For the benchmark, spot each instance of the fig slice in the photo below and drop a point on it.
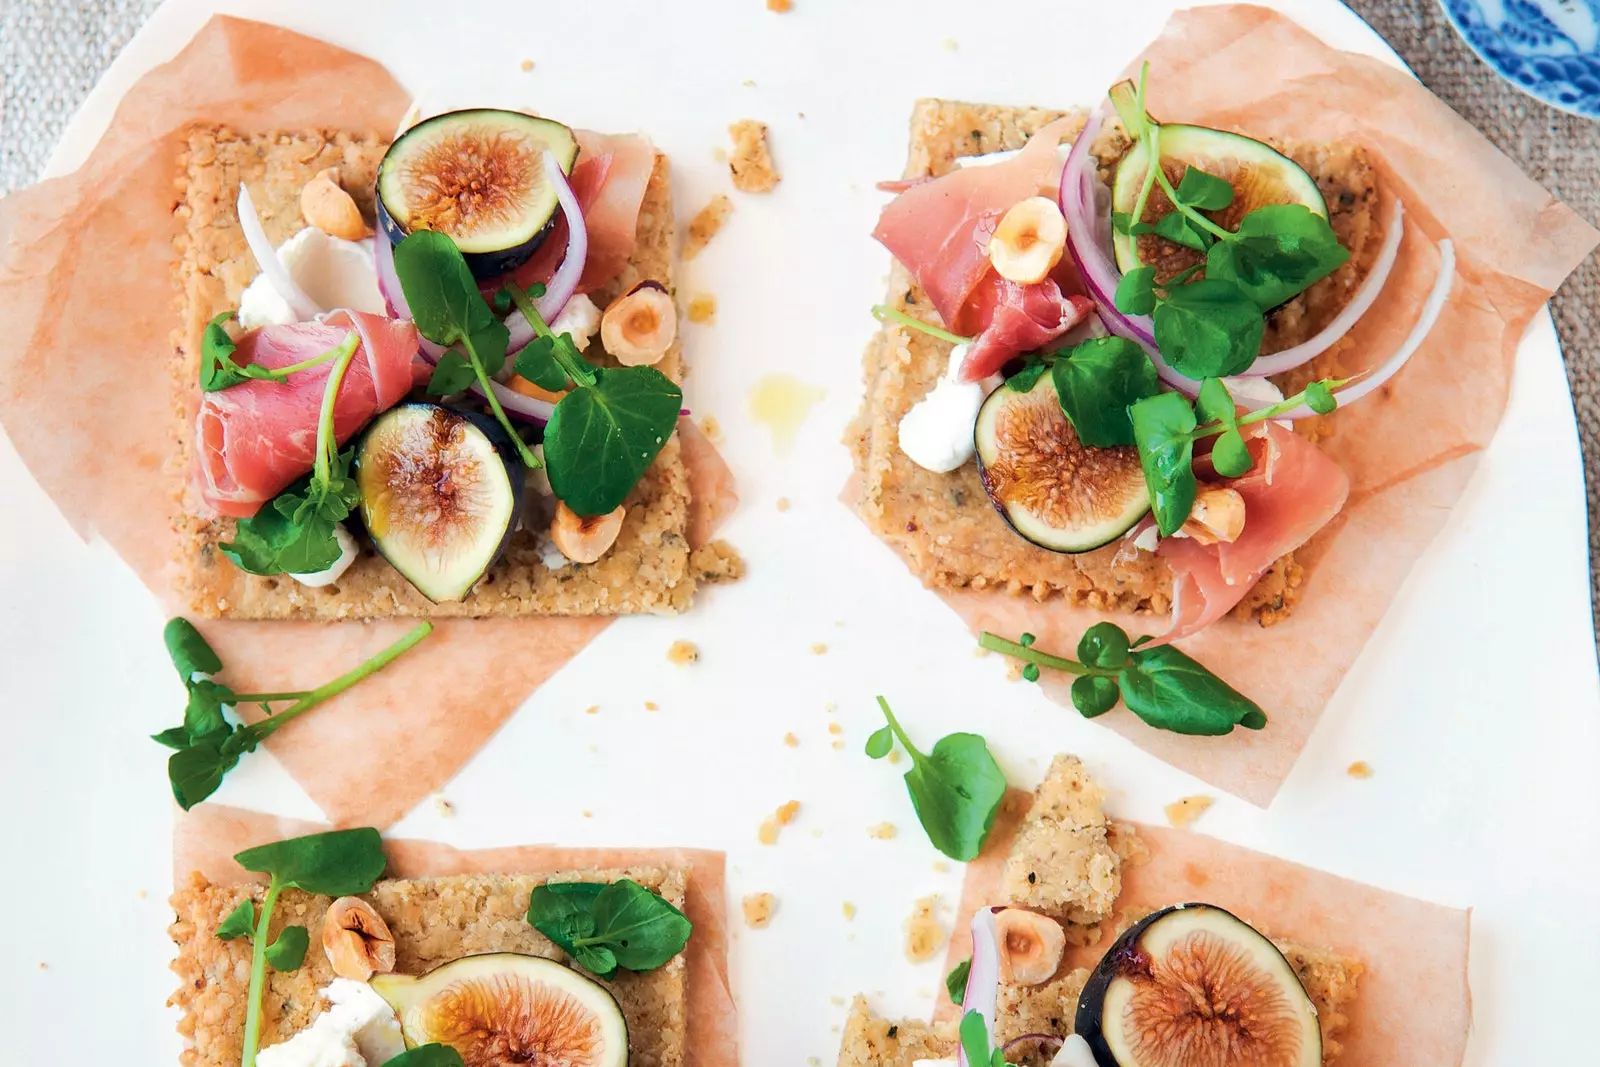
(1194, 986)
(506, 1008)
(1052, 488)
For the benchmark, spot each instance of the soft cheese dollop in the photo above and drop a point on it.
(937, 433)
(347, 555)
(333, 272)
(580, 318)
(1074, 1053)
(359, 1030)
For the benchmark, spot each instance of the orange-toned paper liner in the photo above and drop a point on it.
(207, 838)
(86, 280)
(1410, 447)
(1412, 1003)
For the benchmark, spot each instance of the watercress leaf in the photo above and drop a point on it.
(537, 363)
(217, 369)
(602, 438)
(202, 716)
(241, 922)
(1171, 691)
(974, 1038)
(453, 374)
(315, 547)
(1320, 398)
(1209, 328)
(1162, 425)
(1105, 645)
(536, 290)
(1177, 228)
(173, 737)
(196, 772)
(443, 295)
(596, 959)
(642, 930)
(1203, 191)
(1122, 222)
(339, 863)
(564, 911)
(1093, 695)
(1097, 381)
(489, 341)
(955, 983)
(243, 740)
(190, 653)
(1215, 403)
(1229, 455)
(1033, 369)
(430, 1055)
(1279, 251)
(1135, 293)
(956, 790)
(288, 952)
(880, 742)
(258, 540)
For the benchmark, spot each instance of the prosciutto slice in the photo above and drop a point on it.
(940, 231)
(1293, 491)
(254, 439)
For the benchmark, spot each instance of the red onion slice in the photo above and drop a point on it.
(524, 408)
(303, 306)
(983, 978)
(1376, 377)
(395, 297)
(1371, 285)
(565, 281)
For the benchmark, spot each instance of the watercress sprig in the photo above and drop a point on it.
(884, 313)
(207, 746)
(975, 1042)
(296, 532)
(335, 864)
(218, 371)
(1096, 381)
(955, 789)
(605, 433)
(605, 927)
(449, 310)
(1166, 427)
(1163, 686)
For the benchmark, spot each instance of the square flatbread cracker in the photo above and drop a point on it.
(648, 570)
(434, 921)
(943, 525)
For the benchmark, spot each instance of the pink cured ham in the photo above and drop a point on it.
(609, 180)
(254, 439)
(1293, 491)
(940, 231)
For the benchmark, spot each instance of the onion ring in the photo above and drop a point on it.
(255, 237)
(565, 281)
(983, 977)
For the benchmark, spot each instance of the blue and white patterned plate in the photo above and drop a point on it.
(1550, 49)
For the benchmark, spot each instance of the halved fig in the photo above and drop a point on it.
(440, 494)
(1259, 174)
(1054, 490)
(1194, 986)
(478, 176)
(505, 1008)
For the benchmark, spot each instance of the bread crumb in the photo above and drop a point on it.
(767, 833)
(837, 1002)
(818, 648)
(831, 706)
(780, 6)
(43, 966)
(838, 745)
(949, 44)
(587, 814)
(527, 65)
(651, 705)
(704, 226)
(849, 912)
(711, 428)
(719, 154)
(682, 653)
(813, 1061)
(1181, 813)
(980, 651)
(883, 831)
(751, 161)
(142, 894)
(791, 740)
(758, 909)
(940, 867)
(787, 812)
(1359, 769)
(894, 757)
(924, 934)
(442, 807)
(702, 308)
(592, 709)
(835, 728)
(783, 503)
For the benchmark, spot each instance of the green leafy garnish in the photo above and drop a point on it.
(1165, 428)
(430, 1055)
(955, 789)
(606, 432)
(1097, 381)
(449, 310)
(883, 313)
(1279, 251)
(241, 922)
(207, 745)
(335, 864)
(1208, 328)
(218, 371)
(955, 983)
(609, 926)
(975, 1043)
(1164, 687)
(296, 532)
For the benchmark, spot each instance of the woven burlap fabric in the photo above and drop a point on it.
(52, 52)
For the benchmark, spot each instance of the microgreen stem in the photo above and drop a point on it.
(494, 405)
(889, 314)
(283, 373)
(258, 974)
(1263, 414)
(1153, 150)
(894, 724)
(1190, 213)
(583, 375)
(267, 698)
(265, 728)
(996, 643)
(327, 444)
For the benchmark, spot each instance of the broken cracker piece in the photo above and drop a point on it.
(925, 935)
(1181, 813)
(1062, 864)
(758, 909)
(683, 653)
(751, 160)
(705, 224)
